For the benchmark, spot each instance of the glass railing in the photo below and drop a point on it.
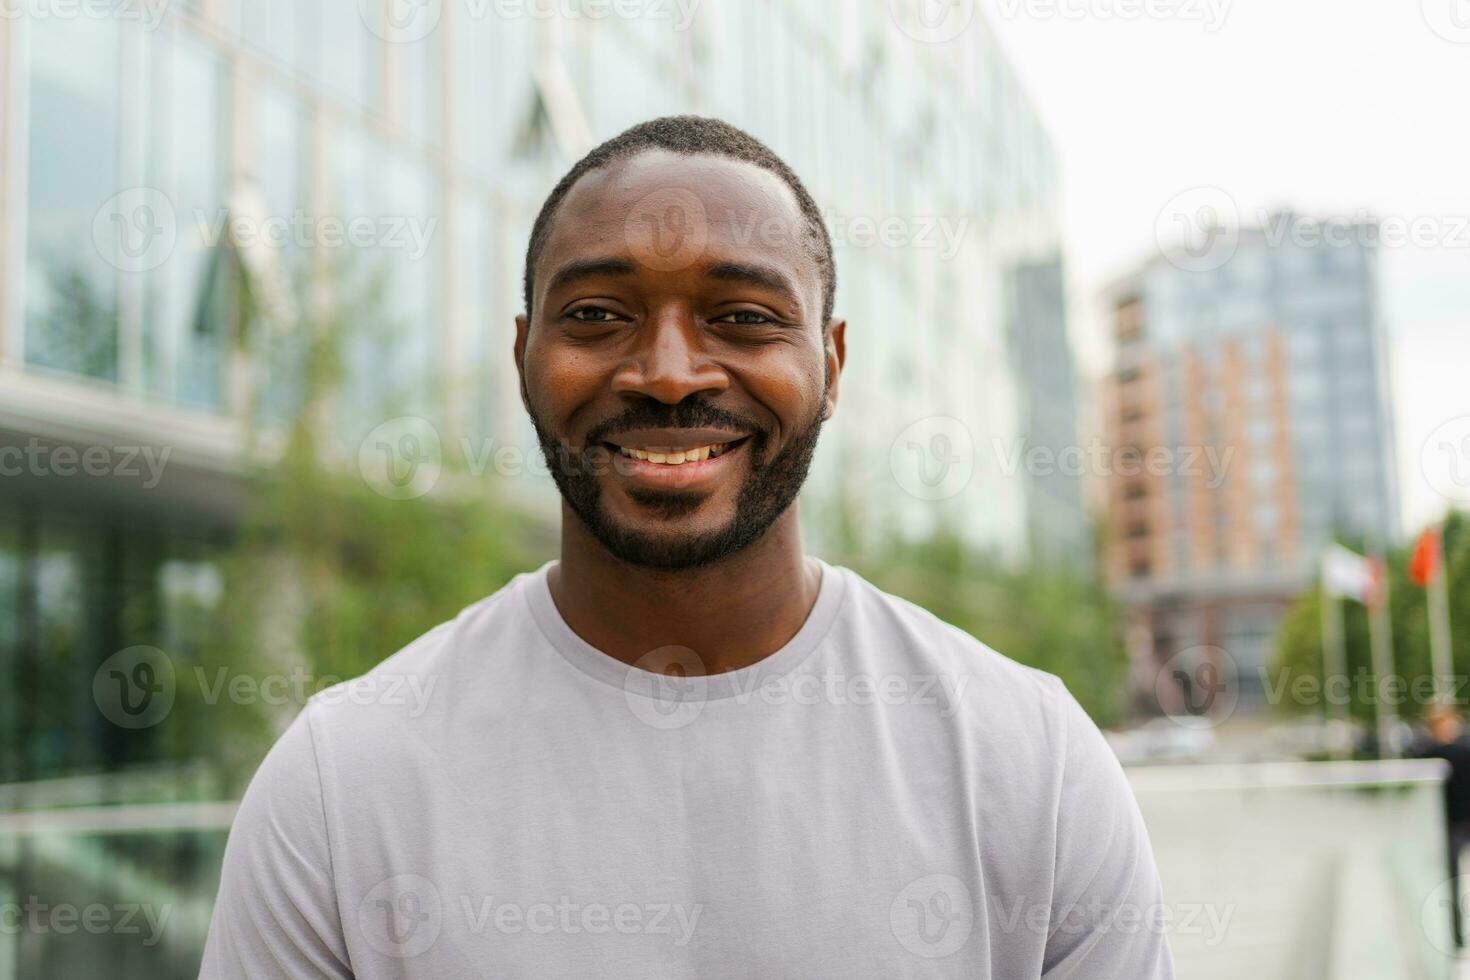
(119, 891)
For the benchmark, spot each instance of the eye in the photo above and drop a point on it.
(593, 314)
(744, 318)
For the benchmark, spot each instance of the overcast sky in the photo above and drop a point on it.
(1329, 106)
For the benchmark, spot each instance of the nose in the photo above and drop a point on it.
(671, 362)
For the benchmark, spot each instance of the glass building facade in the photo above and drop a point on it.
(160, 159)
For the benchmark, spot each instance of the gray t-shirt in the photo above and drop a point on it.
(884, 796)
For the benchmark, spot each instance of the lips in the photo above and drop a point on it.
(675, 458)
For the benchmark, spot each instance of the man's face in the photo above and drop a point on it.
(676, 367)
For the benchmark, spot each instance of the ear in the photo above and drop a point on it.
(835, 351)
(523, 328)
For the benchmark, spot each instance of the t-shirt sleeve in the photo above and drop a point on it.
(1107, 916)
(276, 914)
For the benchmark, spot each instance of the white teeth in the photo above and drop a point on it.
(696, 455)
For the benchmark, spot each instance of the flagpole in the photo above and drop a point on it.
(1334, 664)
(1439, 624)
(1381, 628)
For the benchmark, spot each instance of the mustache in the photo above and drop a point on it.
(684, 415)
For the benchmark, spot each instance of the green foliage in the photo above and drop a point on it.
(1299, 644)
(326, 577)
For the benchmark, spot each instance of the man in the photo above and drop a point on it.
(687, 749)
(1444, 738)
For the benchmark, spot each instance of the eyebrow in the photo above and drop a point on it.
(754, 273)
(589, 269)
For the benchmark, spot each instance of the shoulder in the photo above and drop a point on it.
(413, 689)
(922, 642)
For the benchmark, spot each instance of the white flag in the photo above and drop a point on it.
(1348, 575)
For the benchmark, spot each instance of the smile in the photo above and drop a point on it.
(676, 457)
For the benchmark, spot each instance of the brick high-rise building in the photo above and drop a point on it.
(1251, 409)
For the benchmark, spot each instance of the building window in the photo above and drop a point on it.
(72, 254)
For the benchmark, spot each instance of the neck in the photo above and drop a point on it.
(733, 613)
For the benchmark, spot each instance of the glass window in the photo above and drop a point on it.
(279, 176)
(386, 284)
(186, 321)
(72, 246)
(349, 53)
(282, 30)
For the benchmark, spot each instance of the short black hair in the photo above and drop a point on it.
(689, 136)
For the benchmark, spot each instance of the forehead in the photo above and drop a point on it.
(671, 212)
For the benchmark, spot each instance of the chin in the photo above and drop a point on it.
(653, 544)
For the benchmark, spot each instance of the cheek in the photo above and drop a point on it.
(789, 386)
(560, 381)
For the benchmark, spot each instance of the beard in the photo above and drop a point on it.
(766, 493)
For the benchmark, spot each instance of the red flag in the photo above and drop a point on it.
(1424, 565)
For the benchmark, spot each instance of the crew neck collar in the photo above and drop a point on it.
(536, 592)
